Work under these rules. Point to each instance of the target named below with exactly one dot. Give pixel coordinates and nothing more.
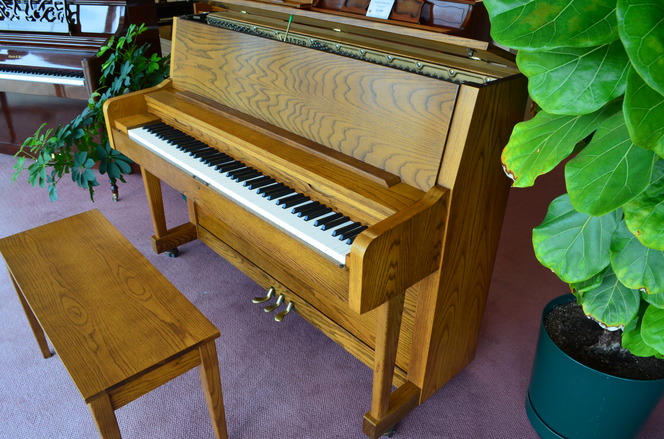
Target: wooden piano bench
(119, 326)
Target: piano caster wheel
(391, 432)
(173, 253)
(279, 317)
(275, 305)
(270, 292)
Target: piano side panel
(260, 245)
(452, 301)
(308, 92)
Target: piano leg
(164, 239)
(388, 408)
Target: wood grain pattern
(388, 326)
(307, 92)
(398, 252)
(211, 381)
(120, 328)
(83, 321)
(102, 412)
(452, 300)
(278, 107)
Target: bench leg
(34, 323)
(104, 416)
(211, 382)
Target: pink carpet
(280, 380)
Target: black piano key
(174, 138)
(185, 146)
(154, 126)
(312, 207)
(350, 237)
(322, 221)
(197, 149)
(240, 171)
(205, 154)
(157, 126)
(343, 236)
(259, 182)
(340, 231)
(246, 177)
(211, 158)
(300, 208)
(317, 213)
(225, 167)
(291, 200)
(243, 176)
(278, 194)
(161, 131)
(223, 158)
(266, 190)
(335, 223)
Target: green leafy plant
(78, 146)
(596, 72)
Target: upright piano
(350, 168)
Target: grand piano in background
(48, 50)
(288, 129)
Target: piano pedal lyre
(275, 305)
(269, 294)
(280, 316)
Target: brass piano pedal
(275, 305)
(270, 292)
(279, 317)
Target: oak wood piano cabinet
(398, 129)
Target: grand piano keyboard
(49, 76)
(318, 225)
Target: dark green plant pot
(569, 400)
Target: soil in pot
(588, 343)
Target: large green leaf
(641, 27)
(644, 214)
(610, 171)
(632, 340)
(571, 80)
(656, 300)
(611, 302)
(572, 244)
(652, 328)
(546, 24)
(636, 266)
(644, 113)
(541, 143)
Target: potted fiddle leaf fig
(81, 145)
(596, 74)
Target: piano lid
(386, 34)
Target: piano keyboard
(312, 222)
(50, 77)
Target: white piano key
(323, 241)
(44, 78)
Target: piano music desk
(120, 327)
